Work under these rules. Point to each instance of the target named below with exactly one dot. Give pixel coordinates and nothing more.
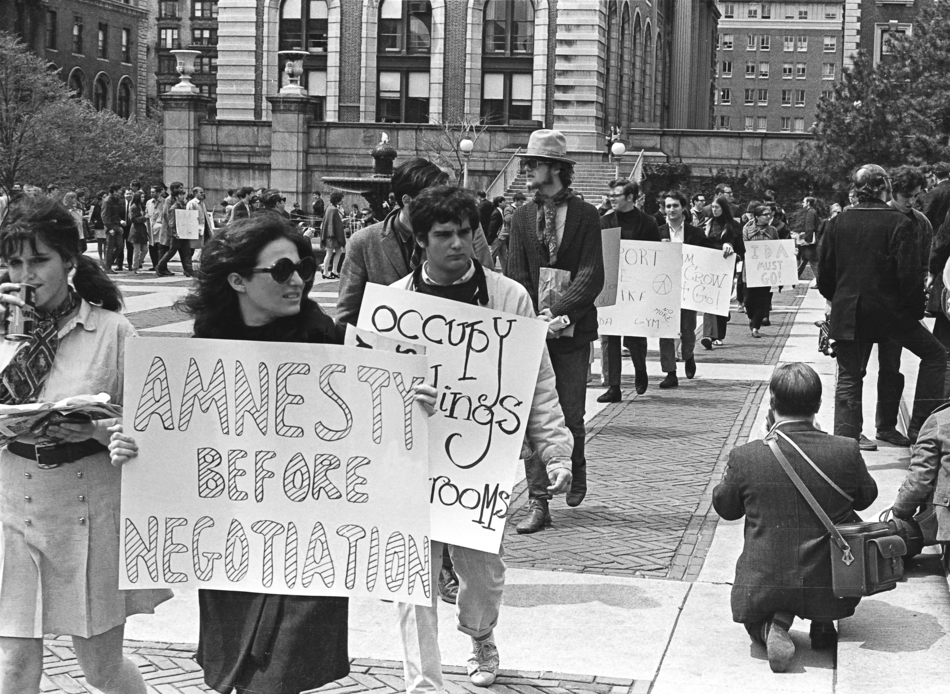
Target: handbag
(866, 558)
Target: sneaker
(448, 585)
(483, 663)
(893, 436)
(866, 444)
(717, 343)
(707, 343)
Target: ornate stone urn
(185, 68)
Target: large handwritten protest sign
(770, 263)
(707, 280)
(610, 246)
(484, 364)
(267, 467)
(187, 225)
(648, 291)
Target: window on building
(403, 97)
(206, 64)
(749, 122)
(800, 97)
(803, 13)
(765, 42)
(167, 64)
(100, 94)
(725, 68)
(205, 9)
(766, 11)
(126, 45)
(316, 83)
(789, 12)
(509, 27)
(786, 124)
(827, 71)
(827, 94)
(802, 44)
(404, 26)
(830, 44)
(727, 41)
(788, 44)
(763, 97)
(800, 71)
(750, 68)
(51, 30)
(786, 97)
(725, 96)
(762, 123)
(103, 40)
(799, 125)
(124, 100)
(749, 99)
(763, 71)
(77, 83)
(168, 9)
(831, 12)
(507, 62)
(750, 42)
(728, 10)
(787, 69)
(77, 35)
(753, 11)
(204, 37)
(506, 97)
(303, 26)
(168, 38)
(723, 122)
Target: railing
(505, 177)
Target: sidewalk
(629, 593)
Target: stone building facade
(869, 24)
(182, 24)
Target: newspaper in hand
(32, 419)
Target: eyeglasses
(533, 163)
(285, 268)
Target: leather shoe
(707, 343)
(866, 444)
(642, 382)
(893, 436)
(766, 322)
(823, 635)
(578, 490)
(671, 381)
(537, 518)
(448, 585)
(612, 395)
(690, 367)
(779, 644)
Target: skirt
(59, 572)
(100, 233)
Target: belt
(52, 456)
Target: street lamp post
(465, 147)
(616, 150)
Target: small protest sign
(707, 280)
(649, 288)
(770, 263)
(484, 365)
(272, 468)
(610, 244)
(186, 224)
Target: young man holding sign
(443, 219)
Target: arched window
(637, 69)
(647, 78)
(77, 83)
(403, 44)
(100, 93)
(507, 61)
(303, 25)
(124, 105)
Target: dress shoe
(537, 518)
(866, 444)
(448, 585)
(578, 489)
(779, 644)
(893, 436)
(690, 367)
(707, 343)
(823, 635)
(641, 382)
(755, 333)
(671, 381)
(612, 395)
(766, 322)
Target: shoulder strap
(815, 467)
(836, 537)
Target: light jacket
(929, 472)
(546, 432)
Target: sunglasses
(285, 268)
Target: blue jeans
(570, 372)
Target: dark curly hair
(439, 205)
(43, 218)
(213, 303)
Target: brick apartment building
(99, 46)
(774, 62)
(869, 24)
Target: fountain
(374, 188)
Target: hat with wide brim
(547, 144)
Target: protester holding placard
(443, 219)
(170, 238)
(59, 504)
(721, 231)
(758, 299)
(634, 226)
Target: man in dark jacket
(112, 215)
(869, 269)
(935, 203)
(559, 231)
(784, 570)
(634, 226)
(485, 209)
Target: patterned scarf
(547, 222)
(23, 378)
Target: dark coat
(332, 229)
(692, 236)
(935, 203)
(719, 236)
(785, 563)
(636, 225)
(869, 269)
(485, 209)
(928, 477)
(580, 253)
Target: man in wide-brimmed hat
(557, 230)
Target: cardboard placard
(649, 288)
(484, 365)
(610, 244)
(272, 468)
(771, 263)
(186, 224)
(707, 280)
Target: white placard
(770, 263)
(302, 470)
(610, 244)
(707, 279)
(649, 288)
(186, 224)
(484, 365)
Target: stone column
(580, 82)
(182, 113)
(290, 116)
(237, 68)
(682, 64)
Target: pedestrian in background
(334, 237)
